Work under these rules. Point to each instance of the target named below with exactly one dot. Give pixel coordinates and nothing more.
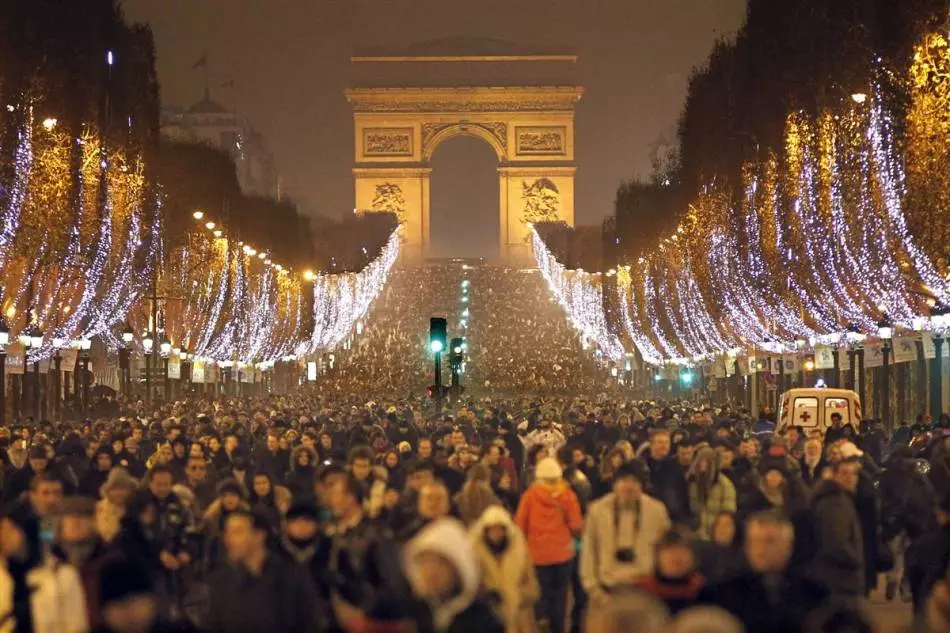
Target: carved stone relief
(390, 199)
(387, 142)
(541, 200)
(540, 141)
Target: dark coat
(926, 564)
(282, 598)
(668, 484)
(782, 609)
(839, 556)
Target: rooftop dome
(207, 106)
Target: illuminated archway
(530, 128)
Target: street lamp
(32, 338)
(940, 324)
(198, 215)
(148, 343)
(885, 331)
(859, 97)
(855, 337)
(4, 341)
(165, 348)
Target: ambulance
(812, 409)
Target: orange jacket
(550, 517)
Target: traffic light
(687, 377)
(437, 335)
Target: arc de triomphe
(530, 128)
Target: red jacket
(550, 517)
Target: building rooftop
(464, 48)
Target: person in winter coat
(839, 556)
(37, 593)
(476, 495)
(767, 597)
(261, 591)
(115, 494)
(675, 579)
(620, 535)
(667, 478)
(813, 462)
(550, 517)
(302, 476)
(928, 558)
(506, 568)
(443, 573)
(130, 603)
(710, 492)
(95, 477)
(721, 556)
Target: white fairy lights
(818, 241)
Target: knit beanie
(548, 468)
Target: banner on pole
(70, 356)
(930, 350)
(16, 359)
(873, 355)
(174, 368)
(791, 364)
(198, 371)
(905, 349)
(824, 357)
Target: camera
(625, 555)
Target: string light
(818, 240)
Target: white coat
(58, 601)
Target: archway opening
(463, 199)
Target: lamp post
(148, 342)
(185, 368)
(4, 341)
(855, 337)
(125, 361)
(940, 324)
(32, 338)
(57, 387)
(885, 331)
(165, 349)
(83, 345)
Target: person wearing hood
(549, 514)
(302, 476)
(443, 573)
(813, 462)
(38, 594)
(710, 492)
(110, 508)
(507, 571)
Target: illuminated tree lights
(81, 251)
(818, 240)
(77, 235)
(340, 301)
(581, 296)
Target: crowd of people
(518, 340)
(536, 501)
(326, 513)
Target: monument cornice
(465, 99)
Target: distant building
(210, 122)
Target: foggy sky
(289, 60)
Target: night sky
(289, 61)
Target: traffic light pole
(438, 379)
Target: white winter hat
(548, 468)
